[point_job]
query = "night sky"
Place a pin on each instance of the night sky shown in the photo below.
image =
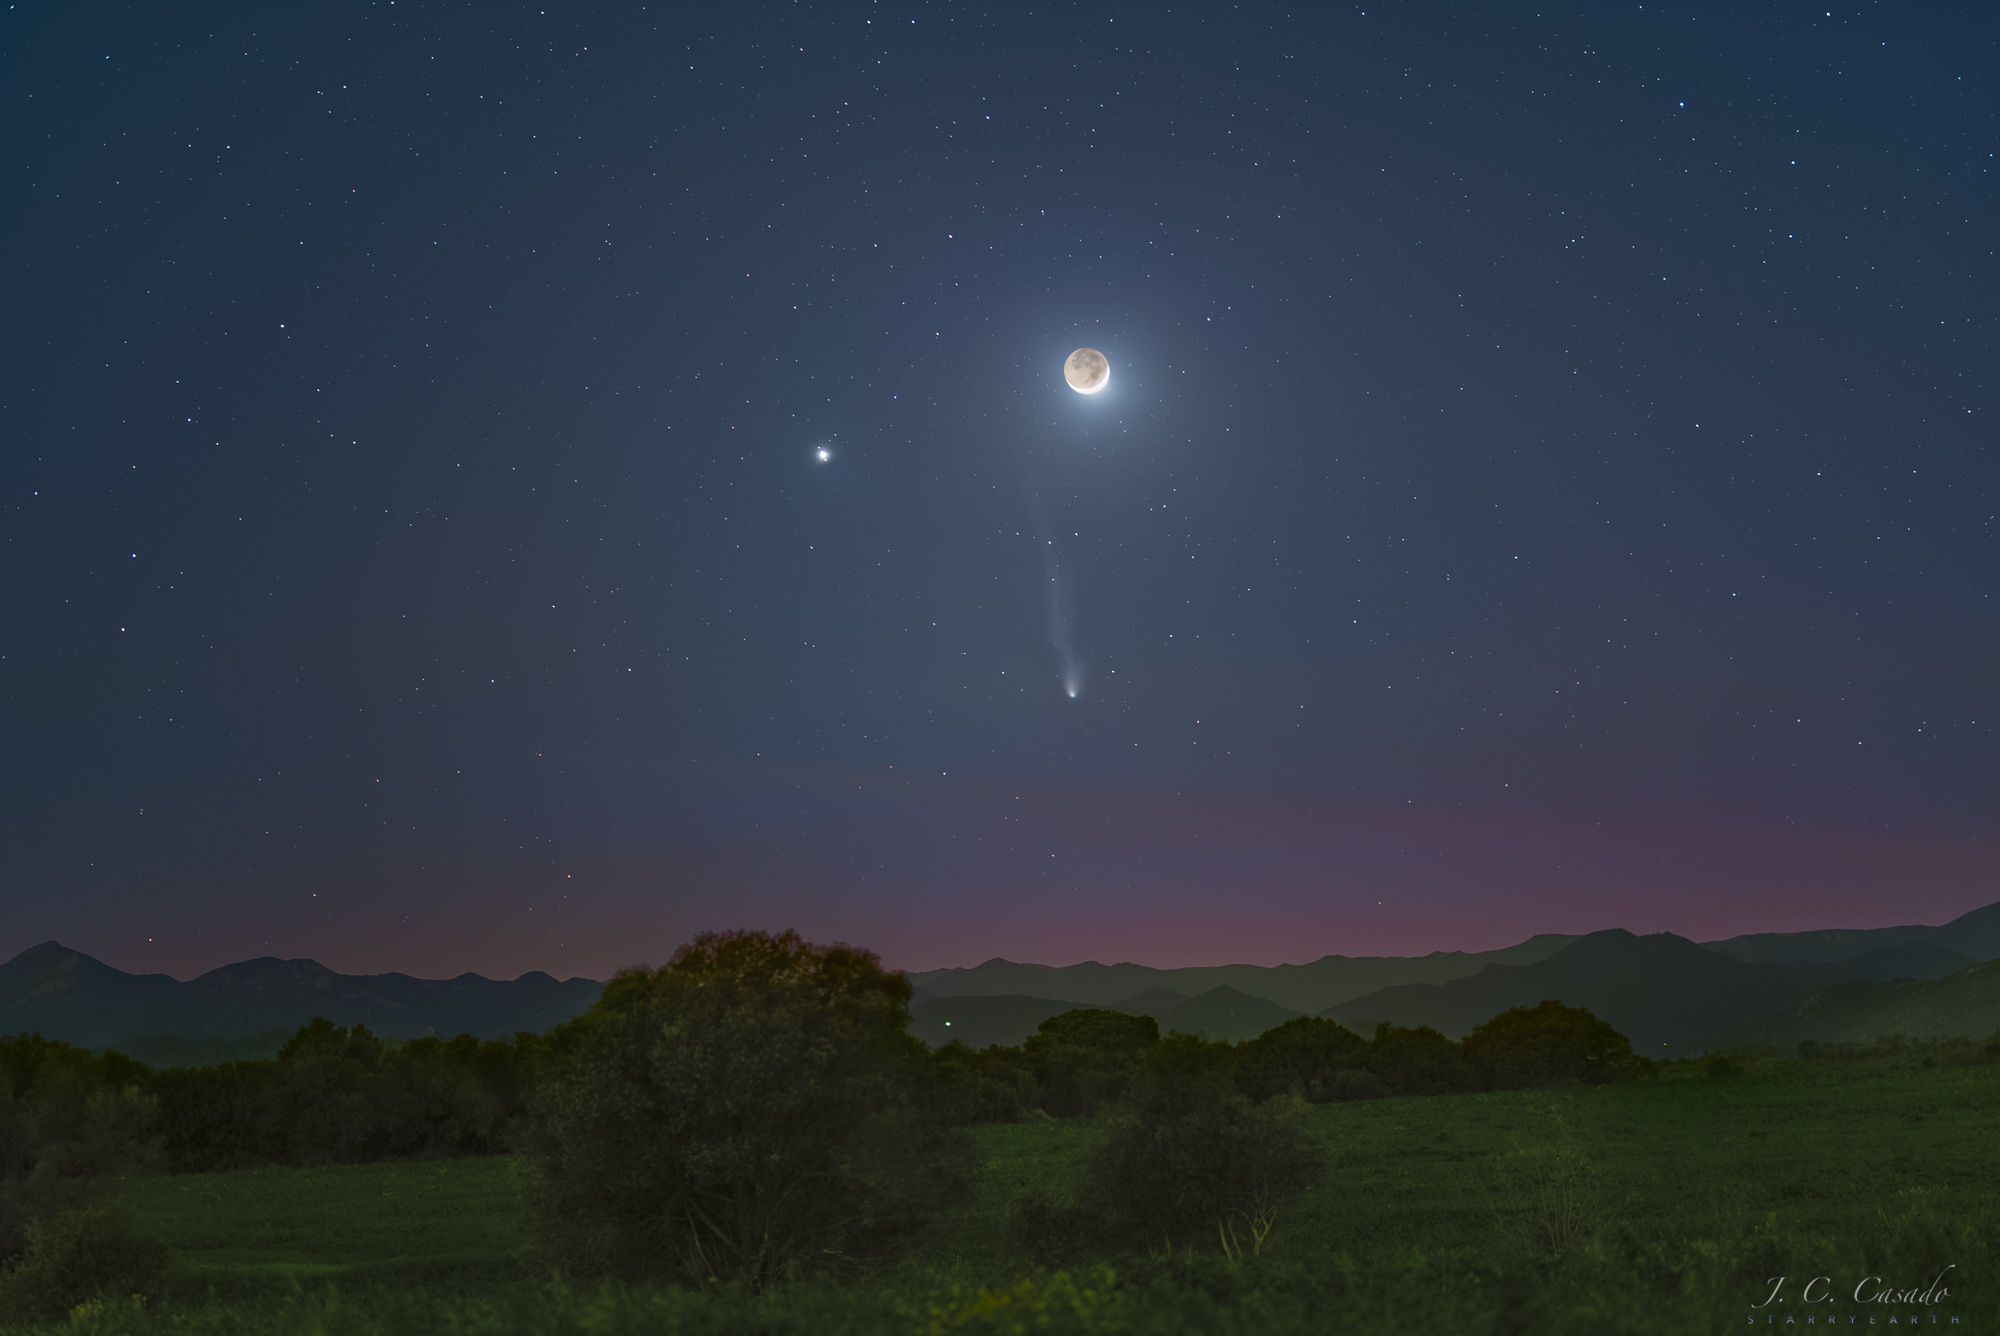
(1546, 480)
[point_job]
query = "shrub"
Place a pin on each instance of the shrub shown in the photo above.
(1189, 1162)
(989, 1085)
(1061, 1302)
(1549, 1193)
(1045, 1232)
(75, 1257)
(1355, 1083)
(750, 1111)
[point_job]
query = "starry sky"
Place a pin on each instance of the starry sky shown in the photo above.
(497, 488)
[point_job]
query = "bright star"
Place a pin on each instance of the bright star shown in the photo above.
(824, 454)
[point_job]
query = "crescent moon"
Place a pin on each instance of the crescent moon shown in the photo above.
(1087, 370)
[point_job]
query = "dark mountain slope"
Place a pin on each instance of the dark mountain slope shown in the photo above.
(1669, 996)
(1964, 1005)
(1154, 1002)
(1225, 1013)
(1911, 960)
(979, 1021)
(1975, 934)
(64, 994)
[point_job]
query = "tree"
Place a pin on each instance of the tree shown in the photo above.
(1083, 1058)
(73, 1257)
(989, 1085)
(1097, 1029)
(1419, 1060)
(331, 1096)
(749, 1111)
(1549, 1042)
(1302, 1057)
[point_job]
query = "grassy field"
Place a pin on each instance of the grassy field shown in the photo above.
(1688, 1191)
(446, 1223)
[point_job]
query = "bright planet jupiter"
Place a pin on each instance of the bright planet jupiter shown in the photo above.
(1087, 371)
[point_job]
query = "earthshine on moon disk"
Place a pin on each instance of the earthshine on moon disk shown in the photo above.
(1087, 371)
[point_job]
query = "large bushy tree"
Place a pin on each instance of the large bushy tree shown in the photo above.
(1306, 1056)
(751, 1110)
(1083, 1059)
(1419, 1060)
(1549, 1042)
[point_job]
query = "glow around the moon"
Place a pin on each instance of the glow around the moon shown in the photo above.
(1087, 371)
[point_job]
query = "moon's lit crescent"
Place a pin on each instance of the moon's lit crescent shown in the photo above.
(1087, 370)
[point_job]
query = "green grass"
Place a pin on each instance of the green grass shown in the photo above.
(265, 1231)
(1823, 1145)
(1703, 1187)
(1046, 1152)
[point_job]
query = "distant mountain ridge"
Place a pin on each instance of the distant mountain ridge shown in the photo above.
(1299, 988)
(1668, 994)
(1672, 997)
(1975, 934)
(63, 994)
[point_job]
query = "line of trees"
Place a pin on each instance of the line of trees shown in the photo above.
(1083, 1060)
(341, 1095)
(756, 1109)
(333, 1095)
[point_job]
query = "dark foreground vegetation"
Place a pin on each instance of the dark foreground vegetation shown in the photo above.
(747, 1140)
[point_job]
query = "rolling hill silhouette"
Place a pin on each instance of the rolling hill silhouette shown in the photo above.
(1975, 934)
(979, 1021)
(1911, 960)
(1303, 988)
(1154, 1002)
(1225, 1013)
(64, 994)
(1963, 1005)
(1671, 997)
